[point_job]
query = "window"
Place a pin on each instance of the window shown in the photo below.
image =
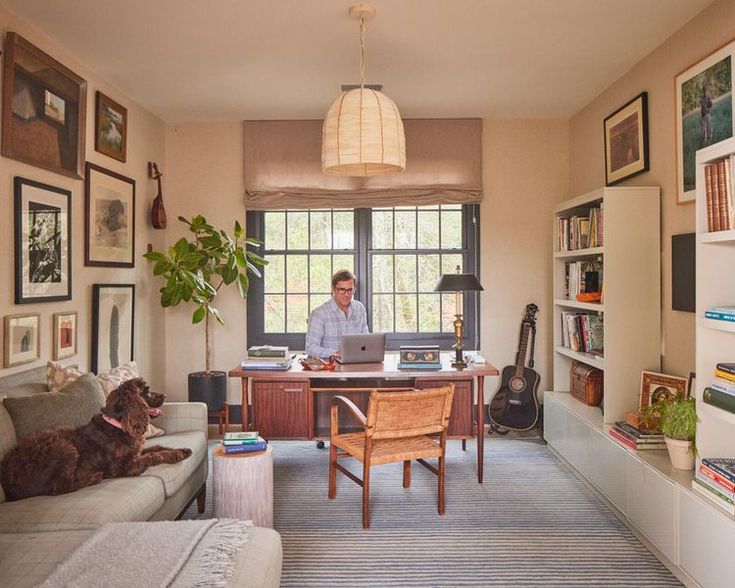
(397, 254)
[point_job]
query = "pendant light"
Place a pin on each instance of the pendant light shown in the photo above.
(363, 131)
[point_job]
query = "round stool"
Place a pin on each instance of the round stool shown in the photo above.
(243, 486)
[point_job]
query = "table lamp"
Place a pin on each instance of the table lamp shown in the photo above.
(458, 283)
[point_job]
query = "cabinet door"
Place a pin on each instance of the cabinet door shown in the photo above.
(281, 409)
(651, 503)
(555, 426)
(608, 468)
(460, 421)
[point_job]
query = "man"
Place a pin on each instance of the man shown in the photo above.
(336, 317)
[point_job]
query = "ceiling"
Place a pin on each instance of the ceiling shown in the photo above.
(219, 60)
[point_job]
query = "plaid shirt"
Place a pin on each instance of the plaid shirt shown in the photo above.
(328, 323)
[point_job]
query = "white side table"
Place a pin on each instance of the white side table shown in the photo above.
(243, 486)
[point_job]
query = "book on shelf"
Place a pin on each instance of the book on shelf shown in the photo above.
(643, 436)
(580, 231)
(630, 443)
(419, 366)
(727, 376)
(725, 466)
(715, 497)
(265, 365)
(260, 445)
(722, 481)
(713, 485)
(719, 316)
(723, 385)
(268, 351)
(726, 367)
(718, 189)
(720, 399)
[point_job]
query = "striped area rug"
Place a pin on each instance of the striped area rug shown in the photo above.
(532, 523)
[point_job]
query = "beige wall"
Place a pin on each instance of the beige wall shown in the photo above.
(655, 74)
(146, 141)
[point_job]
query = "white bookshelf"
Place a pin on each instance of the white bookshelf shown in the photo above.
(715, 286)
(632, 295)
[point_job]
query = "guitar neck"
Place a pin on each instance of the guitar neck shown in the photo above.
(522, 349)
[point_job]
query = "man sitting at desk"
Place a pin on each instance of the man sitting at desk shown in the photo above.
(336, 317)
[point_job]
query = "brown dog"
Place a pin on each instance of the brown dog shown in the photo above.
(109, 446)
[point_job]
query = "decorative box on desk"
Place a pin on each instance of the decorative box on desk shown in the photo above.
(420, 354)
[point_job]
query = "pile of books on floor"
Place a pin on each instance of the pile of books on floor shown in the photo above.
(267, 358)
(629, 436)
(243, 442)
(721, 391)
(715, 479)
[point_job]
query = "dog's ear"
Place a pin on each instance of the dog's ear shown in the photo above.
(126, 405)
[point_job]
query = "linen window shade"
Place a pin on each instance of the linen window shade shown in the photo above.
(283, 167)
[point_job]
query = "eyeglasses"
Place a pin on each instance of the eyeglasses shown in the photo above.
(345, 290)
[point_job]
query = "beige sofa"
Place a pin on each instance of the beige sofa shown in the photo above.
(37, 533)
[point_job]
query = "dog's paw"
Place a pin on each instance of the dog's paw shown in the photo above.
(186, 452)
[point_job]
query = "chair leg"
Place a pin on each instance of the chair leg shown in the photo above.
(407, 473)
(332, 471)
(441, 485)
(366, 495)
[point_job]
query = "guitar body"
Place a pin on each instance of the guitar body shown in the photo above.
(515, 404)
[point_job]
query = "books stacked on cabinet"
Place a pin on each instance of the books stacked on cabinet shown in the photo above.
(243, 442)
(267, 358)
(721, 391)
(718, 177)
(629, 436)
(715, 479)
(582, 277)
(581, 231)
(581, 331)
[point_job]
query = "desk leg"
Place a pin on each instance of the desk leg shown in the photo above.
(480, 426)
(245, 415)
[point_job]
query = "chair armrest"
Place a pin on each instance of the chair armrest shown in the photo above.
(183, 416)
(334, 420)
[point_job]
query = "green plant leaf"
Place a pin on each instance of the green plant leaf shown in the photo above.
(162, 266)
(199, 315)
(243, 284)
(181, 248)
(155, 256)
(215, 313)
(256, 259)
(238, 231)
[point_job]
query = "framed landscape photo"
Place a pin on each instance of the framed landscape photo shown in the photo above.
(626, 141)
(22, 339)
(656, 387)
(109, 223)
(111, 127)
(703, 113)
(42, 242)
(113, 314)
(65, 335)
(44, 106)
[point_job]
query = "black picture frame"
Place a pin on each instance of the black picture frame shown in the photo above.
(43, 273)
(113, 313)
(626, 141)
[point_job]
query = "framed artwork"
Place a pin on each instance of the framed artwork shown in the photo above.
(22, 339)
(703, 113)
(656, 387)
(44, 106)
(111, 127)
(42, 242)
(109, 218)
(626, 141)
(65, 335)
(113, 313)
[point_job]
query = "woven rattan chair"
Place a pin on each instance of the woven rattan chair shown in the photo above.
(397, 428)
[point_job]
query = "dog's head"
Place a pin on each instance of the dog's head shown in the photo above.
(133, 404)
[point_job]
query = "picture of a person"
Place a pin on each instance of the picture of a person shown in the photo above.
(705, 107)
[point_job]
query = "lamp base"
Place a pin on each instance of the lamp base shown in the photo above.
(459, 360)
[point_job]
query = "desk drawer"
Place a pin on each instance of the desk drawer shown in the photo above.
(460, 421)
(281, 409)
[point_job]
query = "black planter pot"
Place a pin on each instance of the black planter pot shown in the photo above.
(210, 388)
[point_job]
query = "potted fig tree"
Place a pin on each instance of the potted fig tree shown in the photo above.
(194, 271)
(678, 418)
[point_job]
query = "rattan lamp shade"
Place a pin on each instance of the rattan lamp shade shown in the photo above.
(363, 135)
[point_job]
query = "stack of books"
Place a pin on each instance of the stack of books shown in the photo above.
(580, 232)
(715, 479)
(628, 436)
(267, 358)
(721, 391)
(244, 442)
(581, 331)
(721, 313)
(718, 184)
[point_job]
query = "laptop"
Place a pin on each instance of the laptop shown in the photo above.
(362, 348)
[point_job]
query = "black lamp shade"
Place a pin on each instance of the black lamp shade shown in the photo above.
(457, 283)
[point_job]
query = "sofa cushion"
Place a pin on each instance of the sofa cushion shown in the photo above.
(73, 406)
(112, 500)
(174, 476)
(8, 439)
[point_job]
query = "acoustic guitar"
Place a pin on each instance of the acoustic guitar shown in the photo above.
(515, 404)
(158, 212)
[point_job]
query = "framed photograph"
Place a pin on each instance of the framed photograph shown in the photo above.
(44, 106)
(42, 242)
(22, 339)
(65, 335)
(111, 127)
(626, 141)
(113, 313)
(109, 218)
(656, 387)
(703, 113)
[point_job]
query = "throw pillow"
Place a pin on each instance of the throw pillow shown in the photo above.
(113, 377)
(59, 376)
(73, 406)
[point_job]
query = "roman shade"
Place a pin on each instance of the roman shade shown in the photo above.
(283, 167)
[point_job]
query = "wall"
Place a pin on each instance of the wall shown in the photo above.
(655, 74)
(146, 141)
(525, 172)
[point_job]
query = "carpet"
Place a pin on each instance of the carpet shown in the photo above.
(532, 523)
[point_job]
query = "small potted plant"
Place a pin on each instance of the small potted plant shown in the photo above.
(678, 417)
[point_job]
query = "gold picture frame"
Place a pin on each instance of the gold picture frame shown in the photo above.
(656, 387)
(22, 338)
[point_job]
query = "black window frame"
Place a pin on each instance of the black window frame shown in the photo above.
(470, 251)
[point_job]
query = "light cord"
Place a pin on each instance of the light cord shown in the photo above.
(362, 52)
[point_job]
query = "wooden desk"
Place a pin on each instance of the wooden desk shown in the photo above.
(294, 404)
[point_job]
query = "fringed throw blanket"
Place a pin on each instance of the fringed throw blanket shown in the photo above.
(173, 554)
